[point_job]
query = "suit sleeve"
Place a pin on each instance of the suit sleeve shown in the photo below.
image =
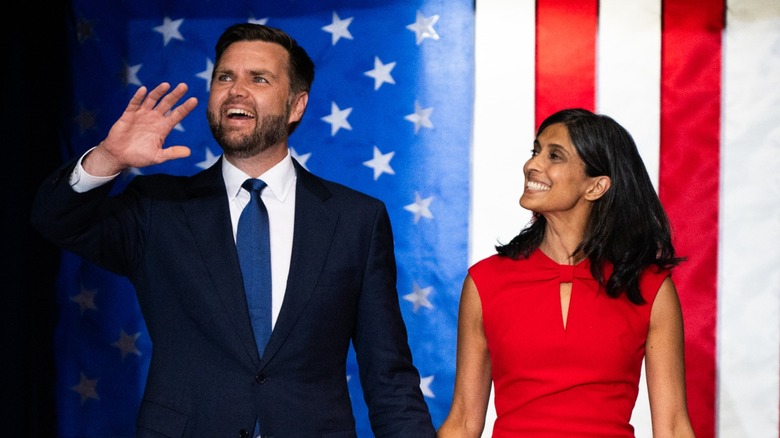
(391, 382)
(90, 224)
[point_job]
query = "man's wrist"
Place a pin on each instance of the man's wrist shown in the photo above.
(81, 180)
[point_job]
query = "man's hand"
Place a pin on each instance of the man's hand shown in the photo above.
(138, 137)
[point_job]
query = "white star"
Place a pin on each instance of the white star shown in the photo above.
(86, 388)
(381, 73)
(170, 30)
(419, 297)
(423, 27)
(126, 344)
(206, 74)
(258, 20)
(420, 207)
(301, 159)
(85, 299)
(130, 75)
(425, 386)
(338, 29)
(420, 117)
(131, 172)
(380, 163)
(179, 127)
(337, 119)
(210, 159)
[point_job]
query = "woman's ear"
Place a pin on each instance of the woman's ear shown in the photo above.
(599, 185)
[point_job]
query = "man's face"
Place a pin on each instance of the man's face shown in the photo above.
(249, 105)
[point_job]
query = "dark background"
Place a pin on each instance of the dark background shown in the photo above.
(34, 98)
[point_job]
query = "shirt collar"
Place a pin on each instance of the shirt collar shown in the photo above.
(280, 178)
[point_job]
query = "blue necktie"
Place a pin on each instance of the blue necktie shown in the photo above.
(254, 254)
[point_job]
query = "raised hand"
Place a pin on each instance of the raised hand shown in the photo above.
(137, 139)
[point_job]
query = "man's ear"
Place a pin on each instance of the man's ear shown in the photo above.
(298, 107)
(599, 185)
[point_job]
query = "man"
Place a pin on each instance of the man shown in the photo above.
(332, 265)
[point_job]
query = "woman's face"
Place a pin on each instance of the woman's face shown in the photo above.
(555, 179)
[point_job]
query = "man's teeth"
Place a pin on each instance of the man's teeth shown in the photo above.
(533, 185)
(238, 112)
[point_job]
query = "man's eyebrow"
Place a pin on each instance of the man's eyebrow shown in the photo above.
(223, 70)
(262, 72)
(251, 72)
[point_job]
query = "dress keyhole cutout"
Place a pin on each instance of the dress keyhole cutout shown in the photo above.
(565, 299)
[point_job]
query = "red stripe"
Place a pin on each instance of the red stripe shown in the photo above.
(565, 55)
(689, 182)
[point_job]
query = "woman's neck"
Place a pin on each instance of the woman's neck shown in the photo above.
(561, 241)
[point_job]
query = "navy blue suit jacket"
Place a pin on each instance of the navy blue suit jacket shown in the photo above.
(172, 237)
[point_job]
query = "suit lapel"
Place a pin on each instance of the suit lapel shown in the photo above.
(314, 228)
(206, 212)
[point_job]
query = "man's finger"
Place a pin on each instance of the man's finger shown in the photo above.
(174, 152)
(151, 99)
(137, 99)
(181, 111)
(167, 102)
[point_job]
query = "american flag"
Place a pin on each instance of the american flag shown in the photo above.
(432, 106)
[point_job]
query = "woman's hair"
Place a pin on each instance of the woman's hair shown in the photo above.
(300, 68)
(627, 226)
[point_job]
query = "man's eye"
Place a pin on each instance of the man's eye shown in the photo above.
(224, 78)
(260, 80)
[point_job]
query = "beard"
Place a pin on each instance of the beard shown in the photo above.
(271, 130)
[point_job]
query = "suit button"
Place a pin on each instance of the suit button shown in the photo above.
(243, 433)
(260, 378)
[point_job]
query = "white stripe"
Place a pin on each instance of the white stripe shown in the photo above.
(749, 262)
(503, 120)
(629, 72)
(504, 126)
(627, 89)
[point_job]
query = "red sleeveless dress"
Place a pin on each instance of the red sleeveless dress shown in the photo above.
(551, 381)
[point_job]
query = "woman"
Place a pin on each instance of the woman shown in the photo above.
(560, 319)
